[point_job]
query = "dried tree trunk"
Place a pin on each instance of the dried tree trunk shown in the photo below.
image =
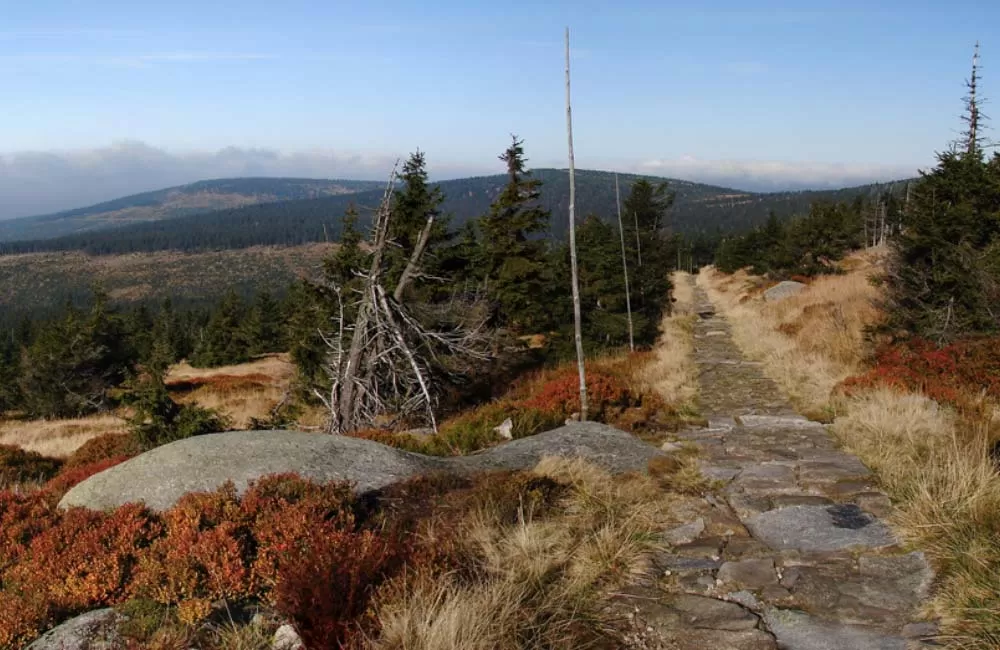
(628, 296)
(572, 247)
(414, 261)
(344, 414)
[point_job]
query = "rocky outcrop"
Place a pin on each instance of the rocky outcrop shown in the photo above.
(160, 477)
(783, 290)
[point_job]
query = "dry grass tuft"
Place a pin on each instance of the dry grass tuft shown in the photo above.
(539, 582)
(57, 438)
(671, 372)
(809, 342)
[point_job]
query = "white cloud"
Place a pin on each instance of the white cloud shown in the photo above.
(38, 182)
(34, 182)
(763, 176)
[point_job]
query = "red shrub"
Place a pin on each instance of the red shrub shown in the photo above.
(86, 560)
(958, 374)
(22, 518)
(326, 587)
(605, 390)
(110, 445)
(65, 480)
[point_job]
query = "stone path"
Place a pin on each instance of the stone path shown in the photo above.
(790, 552)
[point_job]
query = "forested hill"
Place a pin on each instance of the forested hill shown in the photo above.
(173, 202)
(698, 209)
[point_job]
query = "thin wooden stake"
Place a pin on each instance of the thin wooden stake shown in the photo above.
(577, 319)
(628, 297)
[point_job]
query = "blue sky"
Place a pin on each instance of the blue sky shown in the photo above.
(106, 95)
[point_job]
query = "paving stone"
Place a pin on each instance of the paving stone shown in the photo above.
(724, 640)
(874, 502)
(820, 528)
(685, 534)
(705, 547)
(826, 472)
(786, 500)
(741, 547)
(679, 564)
(746, 505)
(749, 574)
(921, 630)
(724, 524)
(714, 614)
(800, 631)
(718, 472)
(847, 489)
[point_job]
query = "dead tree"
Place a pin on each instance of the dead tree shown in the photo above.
(973, 141)
(628, 296)
(572, 247)
(388, 362)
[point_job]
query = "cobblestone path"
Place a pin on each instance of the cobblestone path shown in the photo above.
(791, 550)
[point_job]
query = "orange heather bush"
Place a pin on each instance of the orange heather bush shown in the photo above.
(605, 390)
(110, 445)
(961, 374)
(65, 480)
(327, 585)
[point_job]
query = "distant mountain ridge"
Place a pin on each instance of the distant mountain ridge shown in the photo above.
(698, 208)
(179, 201)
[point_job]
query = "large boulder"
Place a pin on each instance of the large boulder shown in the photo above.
(96, 630)
(161, 476)
(783, 290)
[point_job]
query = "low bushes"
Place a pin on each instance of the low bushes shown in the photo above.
(964, 374)
(20, 466)
(541, 402)
(346, 572)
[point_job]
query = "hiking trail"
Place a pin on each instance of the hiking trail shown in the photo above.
(791, 550)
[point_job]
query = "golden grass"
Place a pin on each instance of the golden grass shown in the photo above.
(809, 342)
(57, 438)
(542, 582)
(671, 372)
(242, 392)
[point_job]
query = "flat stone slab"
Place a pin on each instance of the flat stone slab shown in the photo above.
(725, 640)
(780, 422)
(163, 475)
(820, 528)
(749, 574)
(799, 631)
(713, 614)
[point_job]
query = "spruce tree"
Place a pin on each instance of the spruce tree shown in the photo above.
(413, 204)
(264, 326)
(224, 340)
(513, 253)
(10, 371)
(943, 281)
(648, 206)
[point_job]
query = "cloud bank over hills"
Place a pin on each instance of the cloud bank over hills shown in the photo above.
(37, 182)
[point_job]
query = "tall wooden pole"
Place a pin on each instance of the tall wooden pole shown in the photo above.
(577, 320)
(628, 297)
